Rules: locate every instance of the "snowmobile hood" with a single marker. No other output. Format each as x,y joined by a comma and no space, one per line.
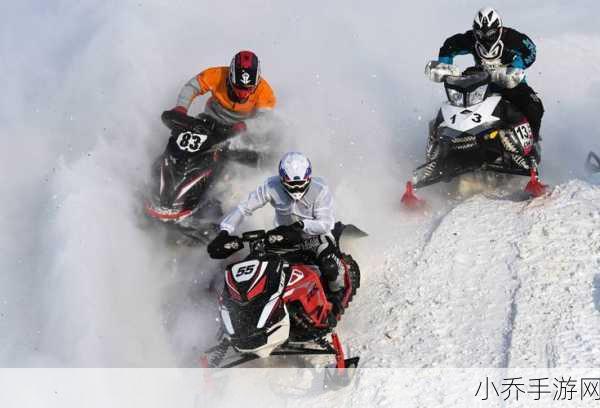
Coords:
468,83
177,190
472,120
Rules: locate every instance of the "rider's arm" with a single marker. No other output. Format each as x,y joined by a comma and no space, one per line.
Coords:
188,93
324,218
458,44
256,199
523,48
198,85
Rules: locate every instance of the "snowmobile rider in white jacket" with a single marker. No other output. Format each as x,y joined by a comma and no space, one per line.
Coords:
303,214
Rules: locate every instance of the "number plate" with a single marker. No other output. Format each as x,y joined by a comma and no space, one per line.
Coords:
191,142
524,135
244,271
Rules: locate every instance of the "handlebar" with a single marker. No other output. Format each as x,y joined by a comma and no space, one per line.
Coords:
258,242
256,235
178,121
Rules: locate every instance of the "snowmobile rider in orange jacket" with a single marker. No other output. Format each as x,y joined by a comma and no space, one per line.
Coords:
237,92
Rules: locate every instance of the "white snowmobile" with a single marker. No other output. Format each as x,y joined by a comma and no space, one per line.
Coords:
475,130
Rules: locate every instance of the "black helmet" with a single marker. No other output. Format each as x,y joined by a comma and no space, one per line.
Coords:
244,74
487,29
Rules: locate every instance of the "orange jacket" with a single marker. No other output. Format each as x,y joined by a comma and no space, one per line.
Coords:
214,80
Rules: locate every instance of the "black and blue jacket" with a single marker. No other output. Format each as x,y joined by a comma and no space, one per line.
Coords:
516,49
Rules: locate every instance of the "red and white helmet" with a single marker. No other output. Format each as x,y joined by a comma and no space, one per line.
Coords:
244,74
295,172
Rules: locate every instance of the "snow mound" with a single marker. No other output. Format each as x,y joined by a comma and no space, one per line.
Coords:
491,283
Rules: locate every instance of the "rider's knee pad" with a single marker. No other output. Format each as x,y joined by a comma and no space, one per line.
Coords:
329,267
333,271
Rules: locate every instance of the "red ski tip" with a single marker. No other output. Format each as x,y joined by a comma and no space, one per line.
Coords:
340,359
409,199
534,187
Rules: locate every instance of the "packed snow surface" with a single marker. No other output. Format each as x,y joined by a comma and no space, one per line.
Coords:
490,283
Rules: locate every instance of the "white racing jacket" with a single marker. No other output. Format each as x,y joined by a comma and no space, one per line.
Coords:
314,209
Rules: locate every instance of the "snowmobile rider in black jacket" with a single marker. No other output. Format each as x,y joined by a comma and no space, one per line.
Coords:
496,48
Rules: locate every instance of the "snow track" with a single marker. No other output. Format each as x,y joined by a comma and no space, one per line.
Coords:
494,283
558,262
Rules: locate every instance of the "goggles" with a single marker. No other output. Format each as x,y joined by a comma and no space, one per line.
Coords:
295,185
490,34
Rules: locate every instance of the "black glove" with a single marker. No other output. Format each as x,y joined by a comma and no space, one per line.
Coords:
224,245
239,127
175,118
286,235
473,70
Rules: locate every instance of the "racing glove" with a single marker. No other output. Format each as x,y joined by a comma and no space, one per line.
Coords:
286,235
438,71
224,245
507,77
180,109
239,127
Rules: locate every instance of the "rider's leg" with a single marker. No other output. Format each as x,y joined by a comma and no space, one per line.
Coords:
332,268
330,264
526,100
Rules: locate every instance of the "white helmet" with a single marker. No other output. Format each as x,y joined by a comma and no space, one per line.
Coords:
487,29
295,173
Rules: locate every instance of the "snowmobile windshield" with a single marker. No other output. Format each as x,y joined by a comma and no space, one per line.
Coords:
467,90
468,82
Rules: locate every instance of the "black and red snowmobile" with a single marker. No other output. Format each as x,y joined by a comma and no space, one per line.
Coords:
183,176
273,303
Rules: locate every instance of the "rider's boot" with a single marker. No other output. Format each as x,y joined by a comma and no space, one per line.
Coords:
335,295
333,272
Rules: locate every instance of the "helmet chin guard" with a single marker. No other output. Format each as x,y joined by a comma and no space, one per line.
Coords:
493,53
295,172
296,196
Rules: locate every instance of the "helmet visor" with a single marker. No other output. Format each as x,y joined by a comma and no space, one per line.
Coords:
488,36
295,186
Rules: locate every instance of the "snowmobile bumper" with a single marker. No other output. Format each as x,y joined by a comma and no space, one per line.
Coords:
165,214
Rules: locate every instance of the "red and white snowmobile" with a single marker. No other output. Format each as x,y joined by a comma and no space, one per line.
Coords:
273,303
475,130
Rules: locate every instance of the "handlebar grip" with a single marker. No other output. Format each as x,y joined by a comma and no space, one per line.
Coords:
172,119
